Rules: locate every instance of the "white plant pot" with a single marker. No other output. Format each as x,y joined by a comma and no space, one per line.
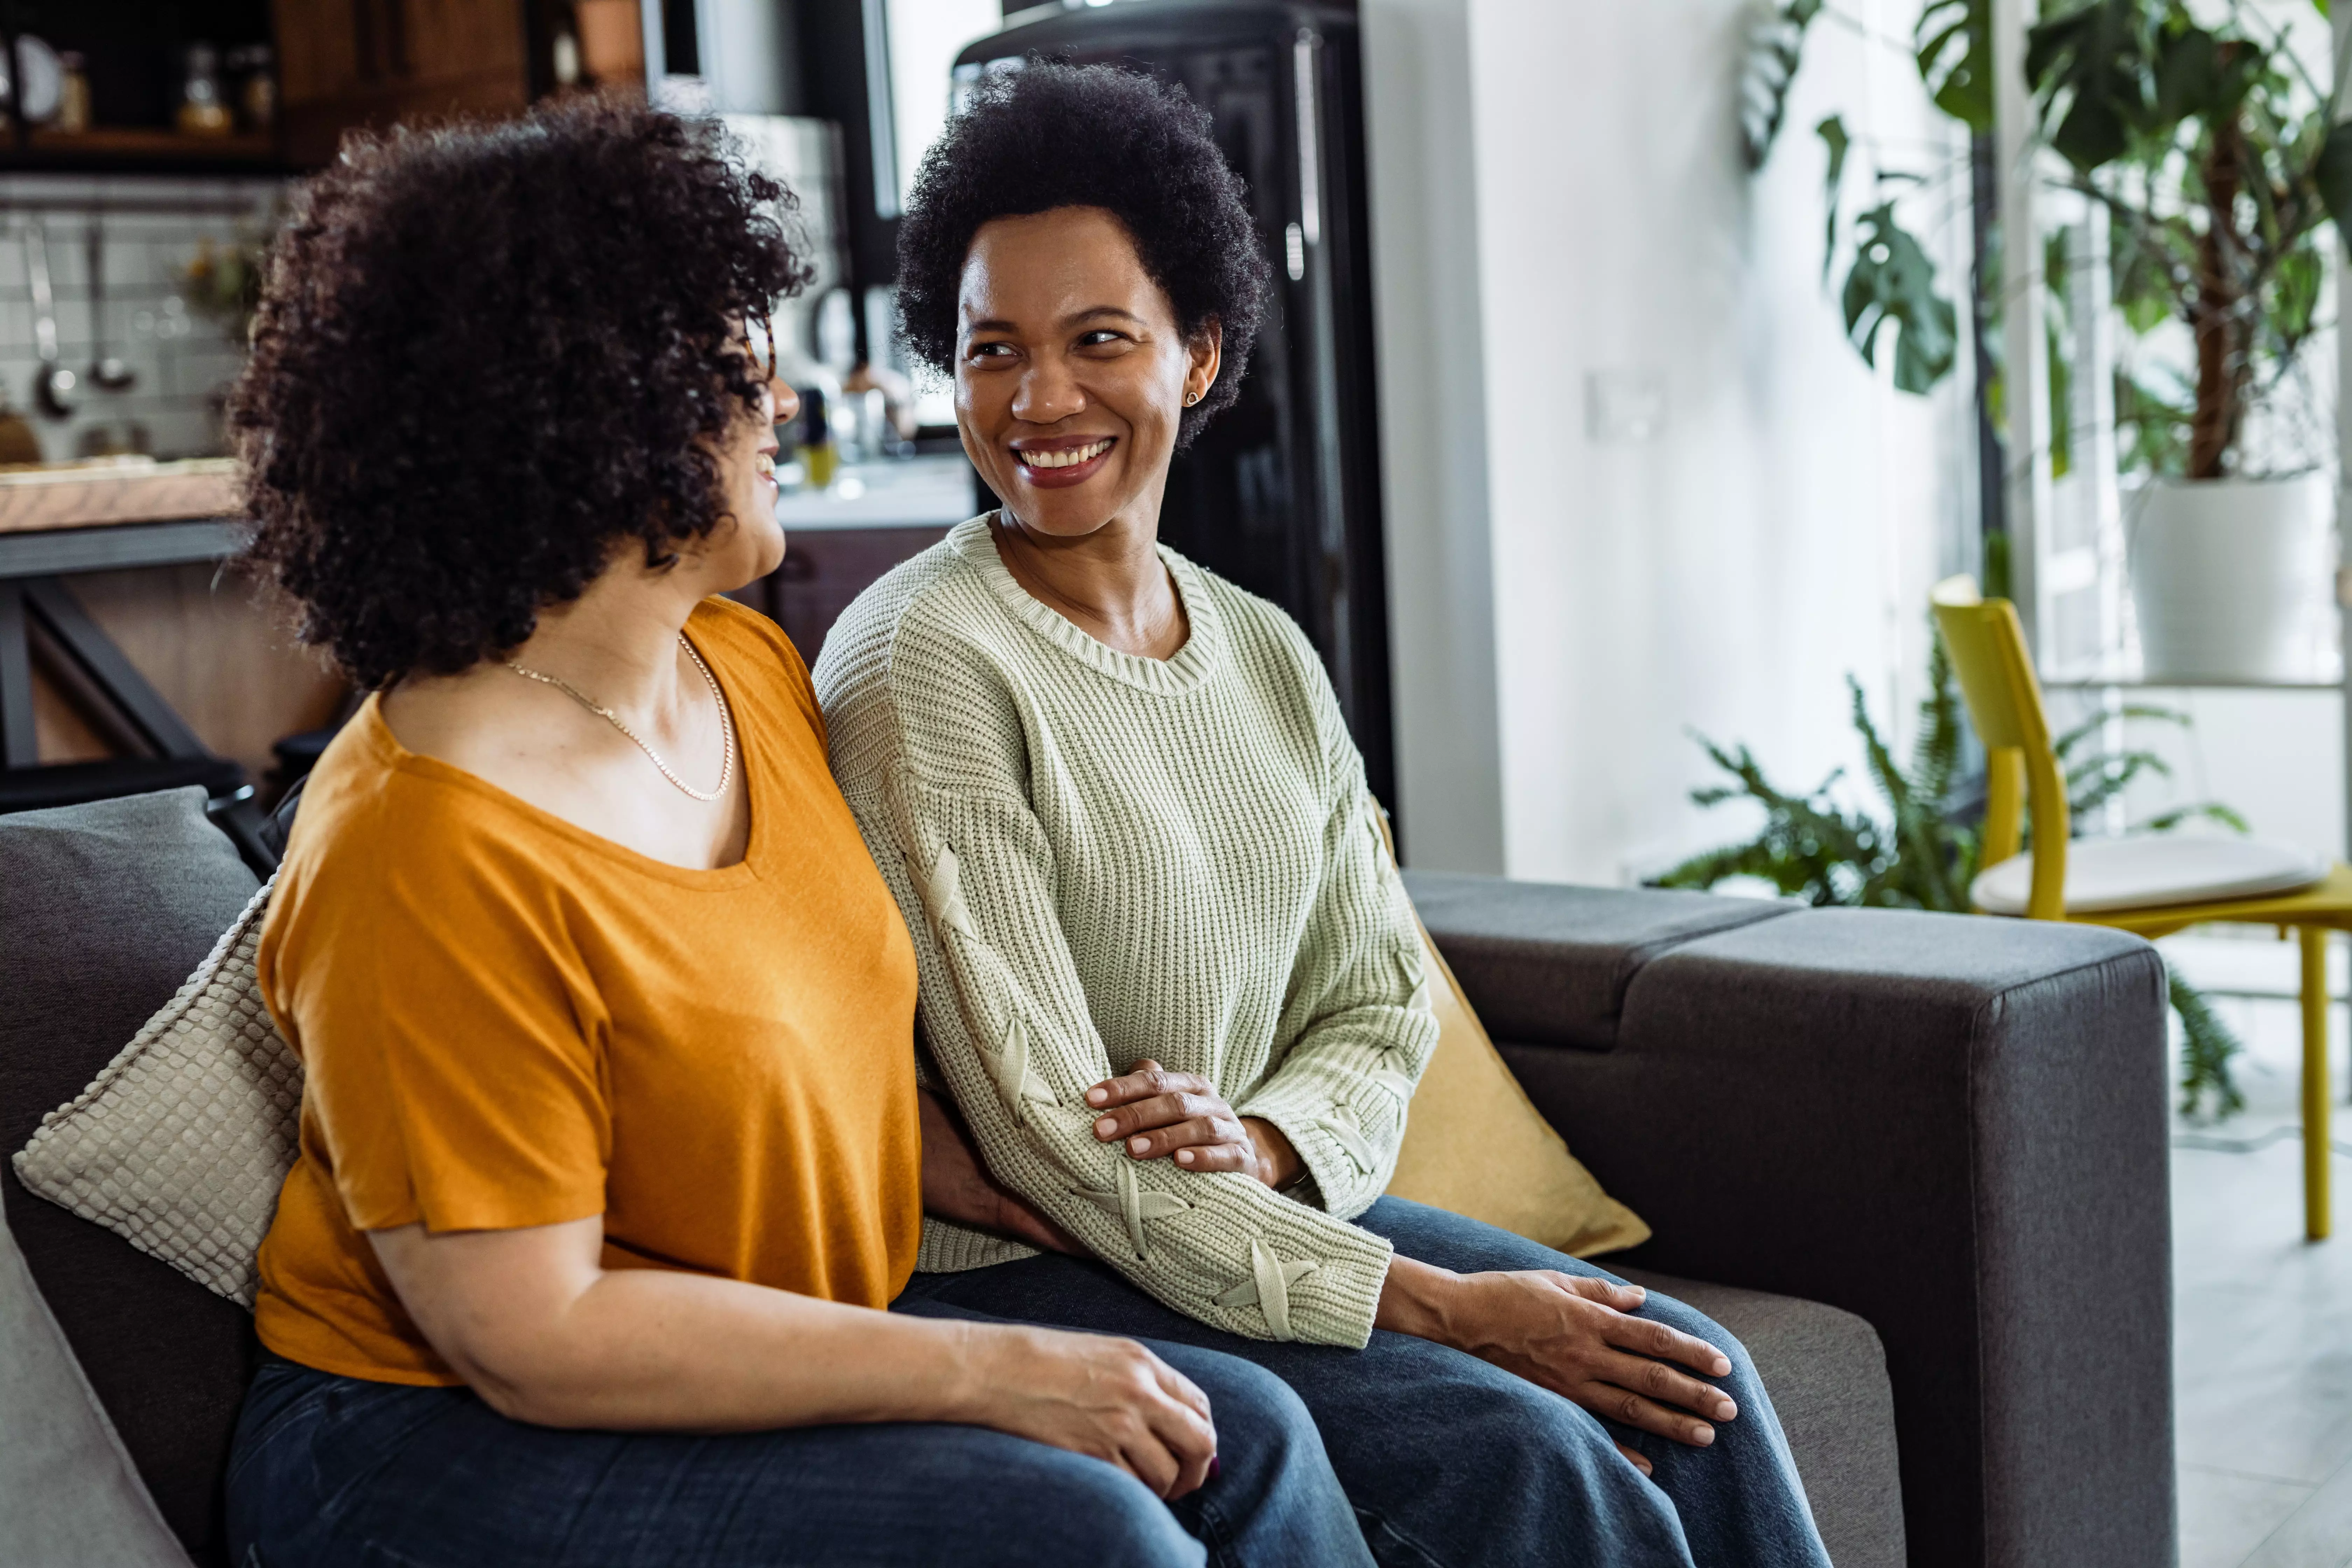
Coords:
2231,578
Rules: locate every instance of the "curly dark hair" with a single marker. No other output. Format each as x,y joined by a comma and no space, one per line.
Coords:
486,352
1053,135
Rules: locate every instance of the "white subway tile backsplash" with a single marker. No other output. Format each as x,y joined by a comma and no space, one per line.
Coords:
182,360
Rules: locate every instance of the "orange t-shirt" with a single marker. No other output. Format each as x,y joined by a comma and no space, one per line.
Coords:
507,1021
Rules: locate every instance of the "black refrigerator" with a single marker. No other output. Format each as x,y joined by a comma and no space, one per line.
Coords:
1281,493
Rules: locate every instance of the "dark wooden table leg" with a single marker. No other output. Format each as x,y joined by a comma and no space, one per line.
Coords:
19,747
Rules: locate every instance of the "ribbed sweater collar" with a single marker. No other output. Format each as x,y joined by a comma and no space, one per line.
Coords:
1199,658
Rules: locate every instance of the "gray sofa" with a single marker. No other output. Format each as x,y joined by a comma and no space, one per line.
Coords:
1916,1162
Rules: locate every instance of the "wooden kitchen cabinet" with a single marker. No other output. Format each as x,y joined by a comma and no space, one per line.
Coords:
823,570
349,63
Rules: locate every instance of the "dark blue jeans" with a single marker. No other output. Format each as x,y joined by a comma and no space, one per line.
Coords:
1452,1462
333,1472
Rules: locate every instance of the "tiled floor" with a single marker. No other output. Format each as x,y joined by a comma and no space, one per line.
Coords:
2262,1346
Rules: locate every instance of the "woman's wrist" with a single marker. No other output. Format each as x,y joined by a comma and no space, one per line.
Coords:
1276,1163
1419,1299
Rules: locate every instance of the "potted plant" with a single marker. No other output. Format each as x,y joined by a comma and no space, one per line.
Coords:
1923,854
2219,161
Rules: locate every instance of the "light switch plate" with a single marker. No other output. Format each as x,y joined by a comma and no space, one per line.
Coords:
1624,407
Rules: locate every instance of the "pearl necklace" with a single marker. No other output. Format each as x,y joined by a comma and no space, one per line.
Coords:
726,721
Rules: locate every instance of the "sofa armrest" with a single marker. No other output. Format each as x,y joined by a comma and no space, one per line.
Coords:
1953,1127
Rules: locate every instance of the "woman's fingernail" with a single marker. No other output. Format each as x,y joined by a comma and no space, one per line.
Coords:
1138,1145
1702,1435
1184,1156
1096,1096
1724,1410
1106,1126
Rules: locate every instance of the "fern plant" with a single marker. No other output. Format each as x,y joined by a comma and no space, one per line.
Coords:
1922,854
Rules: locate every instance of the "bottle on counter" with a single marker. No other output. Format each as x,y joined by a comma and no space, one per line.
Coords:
257,87
73,94
820,458
204,110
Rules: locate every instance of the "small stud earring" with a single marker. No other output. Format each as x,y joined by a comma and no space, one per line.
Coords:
1190,398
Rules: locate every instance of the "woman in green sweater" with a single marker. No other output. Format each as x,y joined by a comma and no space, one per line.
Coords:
1168,970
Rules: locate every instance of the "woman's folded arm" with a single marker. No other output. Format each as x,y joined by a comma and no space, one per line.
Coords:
1357,1015
1009,1026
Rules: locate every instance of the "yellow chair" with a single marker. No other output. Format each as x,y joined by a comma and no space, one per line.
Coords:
2152,886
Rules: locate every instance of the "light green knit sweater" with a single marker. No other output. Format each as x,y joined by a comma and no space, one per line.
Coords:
1103,857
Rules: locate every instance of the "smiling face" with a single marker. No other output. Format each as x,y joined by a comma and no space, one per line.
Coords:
752,543
1072,372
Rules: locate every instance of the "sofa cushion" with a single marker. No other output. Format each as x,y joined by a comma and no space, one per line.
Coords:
182,1143
104,910
66,1488
1826,1372
1547,964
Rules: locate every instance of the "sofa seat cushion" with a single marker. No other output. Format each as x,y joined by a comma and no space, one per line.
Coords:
1827,1375
1549,965
105,908
69,1494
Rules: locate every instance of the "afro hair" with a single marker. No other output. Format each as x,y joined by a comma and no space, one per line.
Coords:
487,353
1052,135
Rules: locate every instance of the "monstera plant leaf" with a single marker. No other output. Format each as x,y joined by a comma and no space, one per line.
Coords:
1833,136
2095,67
1894,280
1954,47
2333,175
1774,52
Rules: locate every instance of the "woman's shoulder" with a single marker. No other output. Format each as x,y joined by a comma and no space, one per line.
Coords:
1264,642
370,801
914,667
932,608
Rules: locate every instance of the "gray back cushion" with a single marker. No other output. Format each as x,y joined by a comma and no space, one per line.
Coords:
104,910
66,1488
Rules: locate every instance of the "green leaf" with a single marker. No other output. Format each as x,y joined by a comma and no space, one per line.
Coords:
1954,47
1893,281
1833,136
1775,50
2205,1063
2203,811
2097,62
2333,175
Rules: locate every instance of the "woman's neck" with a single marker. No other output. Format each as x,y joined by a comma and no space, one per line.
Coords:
616,642
1110,583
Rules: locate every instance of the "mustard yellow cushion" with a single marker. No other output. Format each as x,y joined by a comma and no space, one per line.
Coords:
1475,1144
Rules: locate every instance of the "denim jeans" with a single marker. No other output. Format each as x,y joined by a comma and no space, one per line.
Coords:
330,1470
1451,1461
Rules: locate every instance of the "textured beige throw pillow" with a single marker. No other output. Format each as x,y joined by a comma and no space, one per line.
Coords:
179,1145
1475,1144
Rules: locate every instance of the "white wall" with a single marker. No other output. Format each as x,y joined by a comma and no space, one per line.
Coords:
1424,222
1568,177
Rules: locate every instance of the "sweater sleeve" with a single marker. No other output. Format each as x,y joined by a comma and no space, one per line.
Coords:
1011,1030
1356,1017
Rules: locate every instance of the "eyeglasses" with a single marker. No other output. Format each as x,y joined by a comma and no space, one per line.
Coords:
759,341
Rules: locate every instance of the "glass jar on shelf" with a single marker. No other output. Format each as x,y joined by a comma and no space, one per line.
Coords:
203,109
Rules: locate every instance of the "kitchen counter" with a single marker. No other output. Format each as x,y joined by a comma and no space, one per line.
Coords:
115,490
913,492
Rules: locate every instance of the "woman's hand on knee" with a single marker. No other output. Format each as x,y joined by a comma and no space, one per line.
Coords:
1090,1394
1572,1335
1156,1115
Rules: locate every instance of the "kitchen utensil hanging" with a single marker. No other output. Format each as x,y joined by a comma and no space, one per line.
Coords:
107,371
56,389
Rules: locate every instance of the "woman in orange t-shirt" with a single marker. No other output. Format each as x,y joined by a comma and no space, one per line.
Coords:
613,1162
